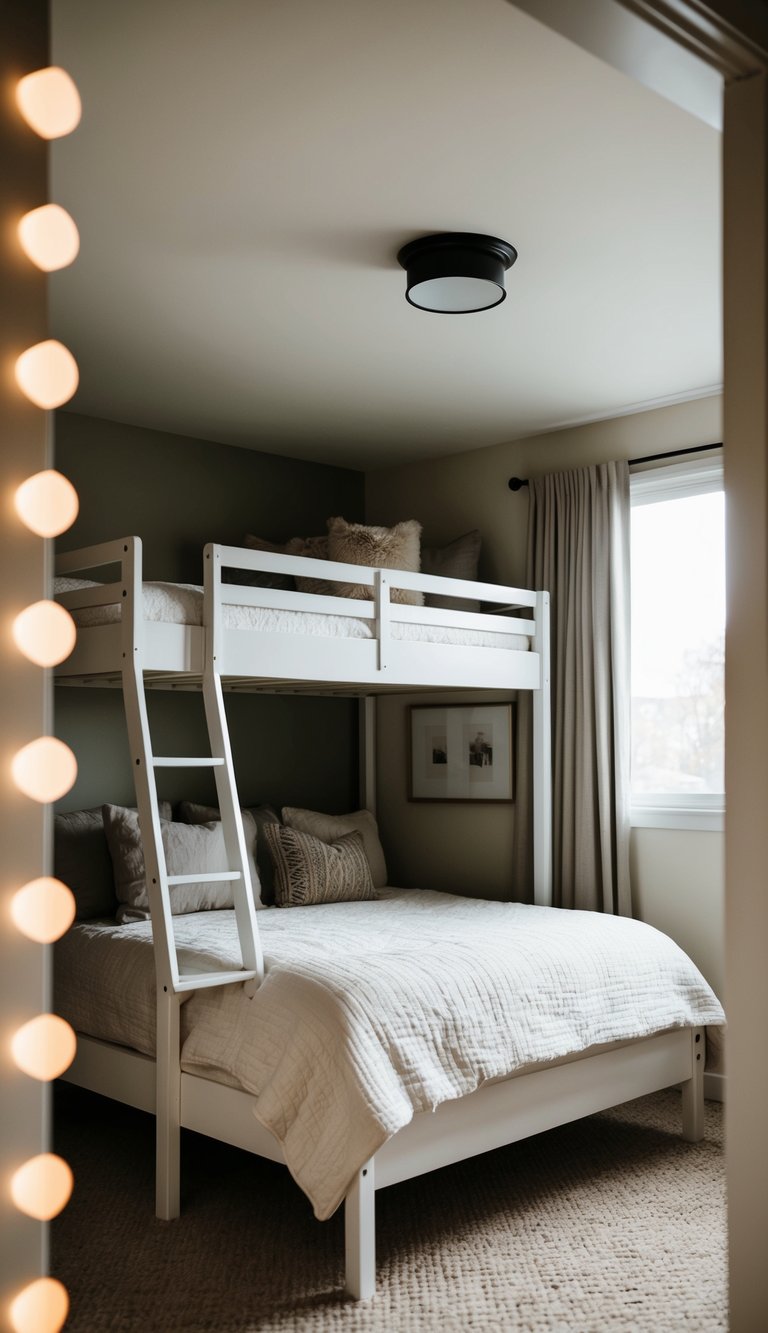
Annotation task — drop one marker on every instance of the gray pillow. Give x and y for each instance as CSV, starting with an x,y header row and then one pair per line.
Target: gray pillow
x,y
81,860
458,560
329,828
189,848
309,871
191,813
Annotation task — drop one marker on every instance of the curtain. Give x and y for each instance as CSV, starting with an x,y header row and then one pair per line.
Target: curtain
x,y
578,550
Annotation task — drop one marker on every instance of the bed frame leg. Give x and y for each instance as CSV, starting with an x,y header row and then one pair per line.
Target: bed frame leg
x,y
168,1107
360,1235
693,1091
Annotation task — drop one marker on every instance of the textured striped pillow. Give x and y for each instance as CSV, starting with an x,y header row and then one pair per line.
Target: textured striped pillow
x,y
309,871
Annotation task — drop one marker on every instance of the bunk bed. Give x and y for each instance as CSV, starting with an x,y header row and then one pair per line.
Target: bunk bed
x,y
228,635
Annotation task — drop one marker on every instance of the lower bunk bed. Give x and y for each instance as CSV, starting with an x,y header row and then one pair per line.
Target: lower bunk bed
x,y
392,1036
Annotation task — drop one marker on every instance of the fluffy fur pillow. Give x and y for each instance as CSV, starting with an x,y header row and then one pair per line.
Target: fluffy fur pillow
x,y
309,871
383,548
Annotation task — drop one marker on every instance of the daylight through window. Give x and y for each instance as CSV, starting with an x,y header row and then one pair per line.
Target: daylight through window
x,y
678,637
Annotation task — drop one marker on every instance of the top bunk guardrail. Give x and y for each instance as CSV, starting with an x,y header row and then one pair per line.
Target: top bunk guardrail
x,y
260,636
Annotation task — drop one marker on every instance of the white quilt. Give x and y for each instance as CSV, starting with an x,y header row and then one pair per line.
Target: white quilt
x,y
182,604
372,1011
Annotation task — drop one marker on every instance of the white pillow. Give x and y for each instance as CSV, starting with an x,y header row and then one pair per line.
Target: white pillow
x,y
329,828
189,849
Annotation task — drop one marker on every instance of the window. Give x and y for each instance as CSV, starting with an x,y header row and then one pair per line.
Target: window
x,y
678,645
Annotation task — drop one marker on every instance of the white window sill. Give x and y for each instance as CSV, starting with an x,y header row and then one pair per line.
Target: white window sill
x,y
683,817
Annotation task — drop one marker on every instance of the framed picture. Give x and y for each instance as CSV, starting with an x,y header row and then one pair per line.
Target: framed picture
x,y
461,752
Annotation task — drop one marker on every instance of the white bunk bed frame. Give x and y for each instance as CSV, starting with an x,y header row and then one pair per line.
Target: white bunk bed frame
x,y
137,654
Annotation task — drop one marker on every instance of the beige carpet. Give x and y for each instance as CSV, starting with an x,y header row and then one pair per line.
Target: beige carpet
x,y
610,1224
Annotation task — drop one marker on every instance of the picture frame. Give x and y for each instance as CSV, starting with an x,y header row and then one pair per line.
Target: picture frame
x,y
461,752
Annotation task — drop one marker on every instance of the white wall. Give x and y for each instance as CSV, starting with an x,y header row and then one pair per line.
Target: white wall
x,y
678,877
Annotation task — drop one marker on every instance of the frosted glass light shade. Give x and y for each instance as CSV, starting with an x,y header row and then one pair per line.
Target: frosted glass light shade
x,y
49,102
45,633
44,1047
45,769
47,373
43,909
49,237
42,1307
47,503
42,1186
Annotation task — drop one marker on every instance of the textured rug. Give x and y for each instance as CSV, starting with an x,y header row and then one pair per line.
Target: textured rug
x,y
609,1225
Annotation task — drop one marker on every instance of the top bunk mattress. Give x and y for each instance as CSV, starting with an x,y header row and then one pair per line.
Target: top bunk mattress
x,y
372,1011
182,604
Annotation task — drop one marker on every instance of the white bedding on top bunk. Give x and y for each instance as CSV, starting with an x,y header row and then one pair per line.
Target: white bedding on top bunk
x,y
371,1011
182,604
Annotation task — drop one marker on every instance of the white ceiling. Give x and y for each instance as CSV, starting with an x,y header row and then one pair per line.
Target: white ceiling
x,y
246,171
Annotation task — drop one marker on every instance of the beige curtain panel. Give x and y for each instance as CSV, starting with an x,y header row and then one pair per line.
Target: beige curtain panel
x,y
578,549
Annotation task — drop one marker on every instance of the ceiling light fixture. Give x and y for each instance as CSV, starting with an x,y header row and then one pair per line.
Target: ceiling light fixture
x,y
456,273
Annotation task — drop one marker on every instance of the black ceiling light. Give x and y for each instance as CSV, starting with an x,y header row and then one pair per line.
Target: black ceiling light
x,y
456,272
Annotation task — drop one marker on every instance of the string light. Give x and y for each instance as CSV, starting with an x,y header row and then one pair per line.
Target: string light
x,y
47,503
42,1186
44,1047
49,102
45,769
42,1307
48,236
47,373
43,909
45,633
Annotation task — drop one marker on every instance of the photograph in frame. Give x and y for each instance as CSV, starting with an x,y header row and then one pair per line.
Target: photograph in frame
x,y
461,752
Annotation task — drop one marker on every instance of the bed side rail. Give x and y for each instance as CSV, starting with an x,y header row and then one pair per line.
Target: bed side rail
x,y
126,552
241,558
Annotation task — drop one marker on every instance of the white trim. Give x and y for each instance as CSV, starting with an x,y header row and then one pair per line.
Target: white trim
x,y
615,413
714,1087
660,481
677,817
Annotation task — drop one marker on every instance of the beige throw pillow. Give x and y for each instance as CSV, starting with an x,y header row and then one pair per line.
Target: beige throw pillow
x,y
382,548
189,849
329,828
191,813
309,872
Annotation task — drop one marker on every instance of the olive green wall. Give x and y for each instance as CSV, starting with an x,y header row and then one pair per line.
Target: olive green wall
x,y
177,494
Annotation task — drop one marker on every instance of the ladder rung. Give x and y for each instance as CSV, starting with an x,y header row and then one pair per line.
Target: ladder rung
x,y
213,877
196,980
172,762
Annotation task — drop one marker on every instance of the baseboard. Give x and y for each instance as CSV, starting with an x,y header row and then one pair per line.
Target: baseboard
x,y
714,1087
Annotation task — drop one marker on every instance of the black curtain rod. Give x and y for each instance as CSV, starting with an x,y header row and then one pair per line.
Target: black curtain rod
x,y
516,482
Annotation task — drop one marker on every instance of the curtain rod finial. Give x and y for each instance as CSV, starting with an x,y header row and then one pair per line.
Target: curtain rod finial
x,y
515,483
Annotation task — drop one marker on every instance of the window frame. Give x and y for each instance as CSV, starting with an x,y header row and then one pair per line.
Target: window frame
x,y
654,484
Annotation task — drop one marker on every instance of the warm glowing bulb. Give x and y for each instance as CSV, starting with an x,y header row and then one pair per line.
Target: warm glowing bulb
x,y
47,373
45,769
47,503
42,1186
49,102
42,1307
45,633
44,1047
49,237
43,909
